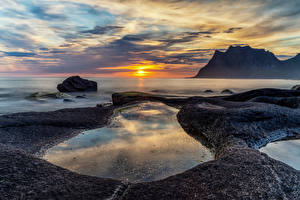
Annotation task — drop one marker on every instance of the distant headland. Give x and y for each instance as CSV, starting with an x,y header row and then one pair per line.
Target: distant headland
x,y
247,62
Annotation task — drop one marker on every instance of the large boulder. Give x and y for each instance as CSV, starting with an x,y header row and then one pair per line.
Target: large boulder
x,y
77,84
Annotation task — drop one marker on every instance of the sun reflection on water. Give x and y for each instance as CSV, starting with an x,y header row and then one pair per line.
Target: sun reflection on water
x,y
144,143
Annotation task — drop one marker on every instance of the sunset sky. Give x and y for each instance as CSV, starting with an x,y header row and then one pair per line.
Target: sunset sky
x,y
132,38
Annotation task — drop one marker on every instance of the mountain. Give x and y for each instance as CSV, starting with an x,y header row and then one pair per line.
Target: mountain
x,y
247,62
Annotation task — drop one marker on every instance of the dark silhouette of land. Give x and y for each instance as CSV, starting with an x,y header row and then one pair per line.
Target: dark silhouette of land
x,y
247,62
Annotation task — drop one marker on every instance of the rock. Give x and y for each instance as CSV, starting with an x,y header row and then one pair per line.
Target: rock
x,y
68,100
77,84
159,91
31,131
214,120
104,105
123,98
291,102
296,87
81,96
230,128
24,176
46,95
270,92
240,173
208,91
227,91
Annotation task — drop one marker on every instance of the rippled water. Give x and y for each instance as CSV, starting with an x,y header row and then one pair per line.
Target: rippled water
x,y
143,143
285,151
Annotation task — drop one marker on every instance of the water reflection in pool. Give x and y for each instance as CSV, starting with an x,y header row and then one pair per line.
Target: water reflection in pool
x,y
285,151
143,143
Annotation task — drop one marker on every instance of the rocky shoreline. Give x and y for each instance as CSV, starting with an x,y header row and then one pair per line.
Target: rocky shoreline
x,y
234,126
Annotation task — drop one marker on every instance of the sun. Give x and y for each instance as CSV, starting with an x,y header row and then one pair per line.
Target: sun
x,y
141,73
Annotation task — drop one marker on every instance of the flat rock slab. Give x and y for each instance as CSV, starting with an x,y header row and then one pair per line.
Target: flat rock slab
x,y
23,176
270,92
291,102
240,173
255,123
32,131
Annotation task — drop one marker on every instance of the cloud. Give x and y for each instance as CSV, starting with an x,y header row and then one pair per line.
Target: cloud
x,y
42,13
87,36
20,54
233,29
100,30
16,40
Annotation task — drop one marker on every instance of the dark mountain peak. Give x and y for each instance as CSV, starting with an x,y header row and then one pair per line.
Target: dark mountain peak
x,y
238,47
243,61
294,61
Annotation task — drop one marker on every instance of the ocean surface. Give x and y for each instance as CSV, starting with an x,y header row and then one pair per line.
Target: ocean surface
x,y
143,143
13,91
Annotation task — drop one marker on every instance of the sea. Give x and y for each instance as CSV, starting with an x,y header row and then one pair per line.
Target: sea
x,y
14,90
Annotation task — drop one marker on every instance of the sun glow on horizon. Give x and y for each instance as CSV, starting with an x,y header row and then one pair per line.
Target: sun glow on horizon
x,y
144,69
140,73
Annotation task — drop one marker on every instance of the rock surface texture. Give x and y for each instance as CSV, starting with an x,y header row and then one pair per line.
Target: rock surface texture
x,y
233,126
77,84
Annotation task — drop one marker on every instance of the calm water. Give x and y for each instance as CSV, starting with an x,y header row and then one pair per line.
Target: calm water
x,y
144,143
14,90
285,151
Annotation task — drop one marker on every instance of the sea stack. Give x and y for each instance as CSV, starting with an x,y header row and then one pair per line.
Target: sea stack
x,y
77,84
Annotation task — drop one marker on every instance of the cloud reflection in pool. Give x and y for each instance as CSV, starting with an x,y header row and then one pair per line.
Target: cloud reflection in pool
x,y
285,151
143,143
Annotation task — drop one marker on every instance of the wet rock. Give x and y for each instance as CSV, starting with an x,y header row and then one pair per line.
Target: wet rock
x,y
229,127
31,131
68,100
159,91
124,98
47,95
256,123
24,176
77,84
81,96
270,92
240,173
208,91
227,91
291,102
131,97
296,87
104,105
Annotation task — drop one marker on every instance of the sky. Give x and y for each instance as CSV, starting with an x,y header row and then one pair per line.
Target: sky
x,y
138,38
